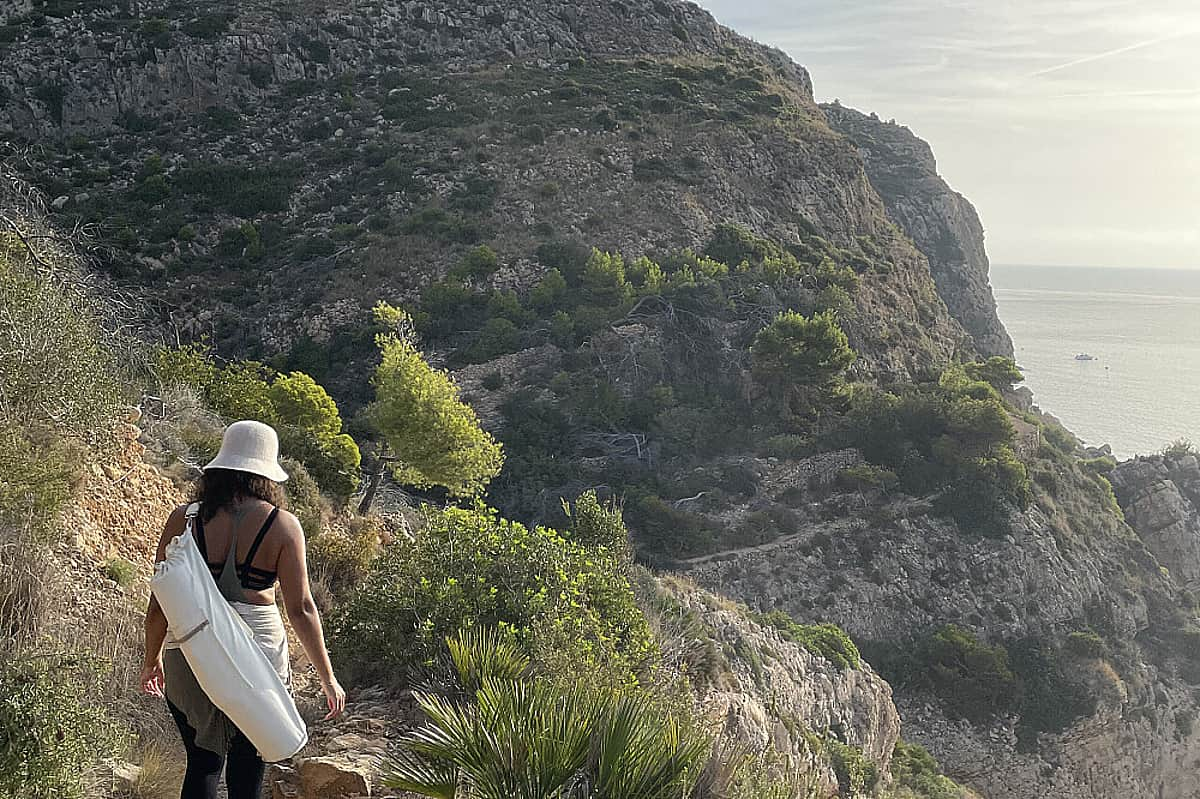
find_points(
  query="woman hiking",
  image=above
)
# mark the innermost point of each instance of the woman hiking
(249, 543)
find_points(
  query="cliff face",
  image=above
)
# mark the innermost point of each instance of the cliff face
(942, 223)
(1161, 498)
(891, 573)
(771, 692)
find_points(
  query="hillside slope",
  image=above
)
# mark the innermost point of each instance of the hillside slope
(262, 173)
(941, 221)
(272, 172)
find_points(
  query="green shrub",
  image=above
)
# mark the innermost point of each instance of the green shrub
(666, 530)
(916, 775)
(120, 571)
(945, 437)
(53, 733)
(616, 742)
(437, 223)
(856, 774)
(732, 245)
(866, 477)
(469, 567)
(477, 264)
(241, 190)
(974, 679)
(1059, 438)
(824, 640)
(788, 446)
(497, 337)
(1100, 465)
(1086, 644)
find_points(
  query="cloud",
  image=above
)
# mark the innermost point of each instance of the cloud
(1088, 59)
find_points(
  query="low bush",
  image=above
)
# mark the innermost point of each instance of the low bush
(470, 567)
(496, 705)
(953, 437)
(917, 775)
(120, 571)
(664, 529)
(341, 558)
(824, 640)
(856, 775)
(52, 732)
(866, 477)
(241, 190)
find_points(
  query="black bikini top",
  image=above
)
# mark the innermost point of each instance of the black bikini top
(251, 577)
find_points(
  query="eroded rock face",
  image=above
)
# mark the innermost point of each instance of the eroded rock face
(942, 223)
(778, 694)
(891, 571)
(1161, 499)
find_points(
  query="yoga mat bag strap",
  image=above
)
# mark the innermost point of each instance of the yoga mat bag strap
(222, 652)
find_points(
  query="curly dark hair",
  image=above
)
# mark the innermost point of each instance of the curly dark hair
(220, 488)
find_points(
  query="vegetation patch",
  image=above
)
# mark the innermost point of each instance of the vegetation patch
(824, 640)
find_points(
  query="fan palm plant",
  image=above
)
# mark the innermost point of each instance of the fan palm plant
(513, 736)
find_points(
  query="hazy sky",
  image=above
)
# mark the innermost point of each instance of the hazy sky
(1074, 126)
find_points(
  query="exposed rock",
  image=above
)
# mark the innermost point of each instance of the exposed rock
(781, 692)
(890, 572)
(941, 221)
(329, 778)
(1161, 499)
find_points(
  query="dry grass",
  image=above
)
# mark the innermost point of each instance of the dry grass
(160, 773)
(180, 432)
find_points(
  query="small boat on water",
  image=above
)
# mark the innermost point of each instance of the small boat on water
(1083, 356)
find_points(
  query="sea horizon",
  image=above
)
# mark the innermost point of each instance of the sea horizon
(1141, 326)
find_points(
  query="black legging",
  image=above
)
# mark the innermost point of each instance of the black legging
(243, 771)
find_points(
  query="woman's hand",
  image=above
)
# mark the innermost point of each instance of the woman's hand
(151, 679)
(335, 698)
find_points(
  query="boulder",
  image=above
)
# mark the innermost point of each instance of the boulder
(332, 778)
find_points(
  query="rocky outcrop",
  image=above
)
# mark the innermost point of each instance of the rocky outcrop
(1160, 495)
(772, 693)
(942, 223)
(889, 571)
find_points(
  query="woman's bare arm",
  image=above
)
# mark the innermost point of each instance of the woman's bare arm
(156, 623)
(302, 610)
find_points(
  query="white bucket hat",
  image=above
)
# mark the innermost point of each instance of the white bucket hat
(250, 447)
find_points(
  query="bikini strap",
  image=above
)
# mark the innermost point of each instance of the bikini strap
(196, 525)
(249, 561)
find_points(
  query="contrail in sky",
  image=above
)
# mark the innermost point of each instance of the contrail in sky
(1110, 53)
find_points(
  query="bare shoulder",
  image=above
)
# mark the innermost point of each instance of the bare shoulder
(177, 520)
(288, 526)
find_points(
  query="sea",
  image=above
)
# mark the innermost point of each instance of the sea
(1142, 327)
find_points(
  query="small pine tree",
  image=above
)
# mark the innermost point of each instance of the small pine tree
(800, 359)
(436, 438)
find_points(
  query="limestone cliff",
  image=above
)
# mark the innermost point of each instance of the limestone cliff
(889, 572)
(1161, 498)
(941, 221)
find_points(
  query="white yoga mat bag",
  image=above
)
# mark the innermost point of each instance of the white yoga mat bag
(220, 648)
